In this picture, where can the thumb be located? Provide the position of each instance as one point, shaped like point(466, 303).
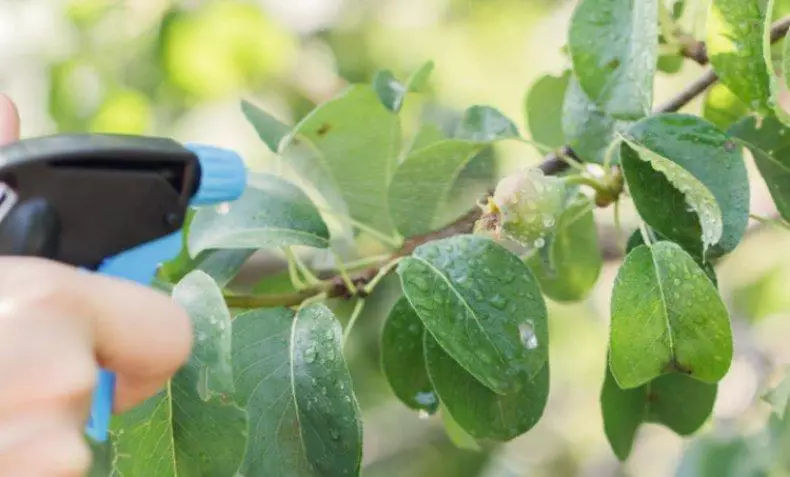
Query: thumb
point(9, 121)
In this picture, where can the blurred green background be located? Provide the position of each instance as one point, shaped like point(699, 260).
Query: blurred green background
point(180, 69)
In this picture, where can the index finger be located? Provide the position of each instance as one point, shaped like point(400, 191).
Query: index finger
point(139, 333)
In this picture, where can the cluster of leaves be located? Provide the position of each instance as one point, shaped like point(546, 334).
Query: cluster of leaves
point(267, 391)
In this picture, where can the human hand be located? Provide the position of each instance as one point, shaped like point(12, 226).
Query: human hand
point(58, 325)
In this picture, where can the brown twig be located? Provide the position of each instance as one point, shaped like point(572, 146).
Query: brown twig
point(552, 164)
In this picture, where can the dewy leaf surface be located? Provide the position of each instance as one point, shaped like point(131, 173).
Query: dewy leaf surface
point(202, 299)
point(575, 259)
point(292, 378)
point(181, 432)
point(271, 213)
point(676, 162)
point(588, 130)
point(674, 400)
point(482, 413)
point(483, 305)
point(667, 316)
point(614, 49)
point(403, 360)
point(769, 142)
point(543, 109)
point(735, 48)
point(346, 148)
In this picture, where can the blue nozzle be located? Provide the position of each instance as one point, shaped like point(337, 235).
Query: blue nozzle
point(223, 175)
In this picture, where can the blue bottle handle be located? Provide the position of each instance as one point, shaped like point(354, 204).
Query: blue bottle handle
point(138, 265)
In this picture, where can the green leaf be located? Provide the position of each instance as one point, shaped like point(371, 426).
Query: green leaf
point(203, 301)
point(392, 92)
point(587, 129)
point(482, 413)
point(667, 316)
point(293, 380)
point(271, 213)
point(457, 435)
point(483, 306)
point(543, 109)
point(185, 429)
point(675, 400)
point(346, 148)
point(422, 184)
point(670, 64)
point(777, 84)
point(769, 141)
point(485, 124)
point(722, 108)
point(786, 60)
point(735, 48)
point(222, 265)
point(636, 239)
point(269, 129)
point(403, 360)
point(102, 458)
point(614, 49)
point(575, 259)
point(676, 162)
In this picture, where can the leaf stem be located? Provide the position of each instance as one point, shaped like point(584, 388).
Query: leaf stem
point(341, 268)
point(358, 306)
point(609, 155)
point(384, 238)
point(769, 221)
point(314, 299)
point(293, 271)
point(580, 179)
point(311, 279)
point(571, 161)
point(646, 237)
point(366, 261)
point(383, 272)
point(618, 228)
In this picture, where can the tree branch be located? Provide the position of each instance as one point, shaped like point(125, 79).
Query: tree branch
point(552, 164)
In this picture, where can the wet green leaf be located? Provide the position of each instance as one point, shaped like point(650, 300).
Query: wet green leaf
point(688, 181)
point(667, 316)
point(271, 213)
point(587, 129)
point(403, 360)
point(292, 378)
point(769, 142)
point(484, 307)
point(269, 129)
point(675, 400)
point(543, 109)
point(574, 255)
point(636, 240)
point(202, 299)
point(190, 428)
point(346, 148)
point(614, 48)
point(482, 413)
point(722, 108)
point(735, 48)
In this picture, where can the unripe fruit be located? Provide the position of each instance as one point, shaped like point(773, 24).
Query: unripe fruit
point(525, 207)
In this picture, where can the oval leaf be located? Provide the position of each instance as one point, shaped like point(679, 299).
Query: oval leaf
point(392, 92)
point(182, 431)
point(422, 184)
point(482, 413)
point(588, 130)
point(485, 124)
point(636, 239)
point(675, 400)
point(293, 380)
point(543, 109)
point(346, 148)
point(202, 299)
point(270, 213)
point(667, 316)
point(735, 48)
point(483, 306)
point(270, 130)
point(575, 259)
point(769, 142)
point(673, 162)
point(614, 49)
point(403, 360)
